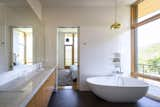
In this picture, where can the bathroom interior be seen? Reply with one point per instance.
(79, 53)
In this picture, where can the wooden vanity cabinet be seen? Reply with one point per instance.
(41, 98)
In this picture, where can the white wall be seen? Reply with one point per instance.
(97, 41)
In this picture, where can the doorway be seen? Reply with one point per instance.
(22, 47)
(68, 56)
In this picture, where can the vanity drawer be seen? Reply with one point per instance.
(41, 98)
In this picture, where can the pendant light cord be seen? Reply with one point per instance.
(115, 25)
(115, 19)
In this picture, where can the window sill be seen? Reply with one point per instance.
(154, 92)
(154, 89)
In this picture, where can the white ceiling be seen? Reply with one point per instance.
(15, 3)
(83, 3)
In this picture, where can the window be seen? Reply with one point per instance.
(145, 28)
(68, 45)
(70, 49)
(22, 46)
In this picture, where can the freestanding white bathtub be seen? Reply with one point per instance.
(118, 89)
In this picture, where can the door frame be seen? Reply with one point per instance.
(78, 77)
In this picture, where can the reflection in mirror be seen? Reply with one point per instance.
(22, 47)
(21, 36)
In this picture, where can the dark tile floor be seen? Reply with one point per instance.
(72, 98)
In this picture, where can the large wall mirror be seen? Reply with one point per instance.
(21, 35)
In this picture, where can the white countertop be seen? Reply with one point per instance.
(20, 91)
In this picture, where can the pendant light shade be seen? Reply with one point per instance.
(115, 25)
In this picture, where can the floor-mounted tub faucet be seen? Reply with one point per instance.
(116, 60)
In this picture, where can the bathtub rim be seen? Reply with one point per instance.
(118, 86)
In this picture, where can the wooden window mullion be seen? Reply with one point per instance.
(134, 26)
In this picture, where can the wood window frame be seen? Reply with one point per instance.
(67, 67)
(134, 25)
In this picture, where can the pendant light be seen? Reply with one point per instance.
(115, 25)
